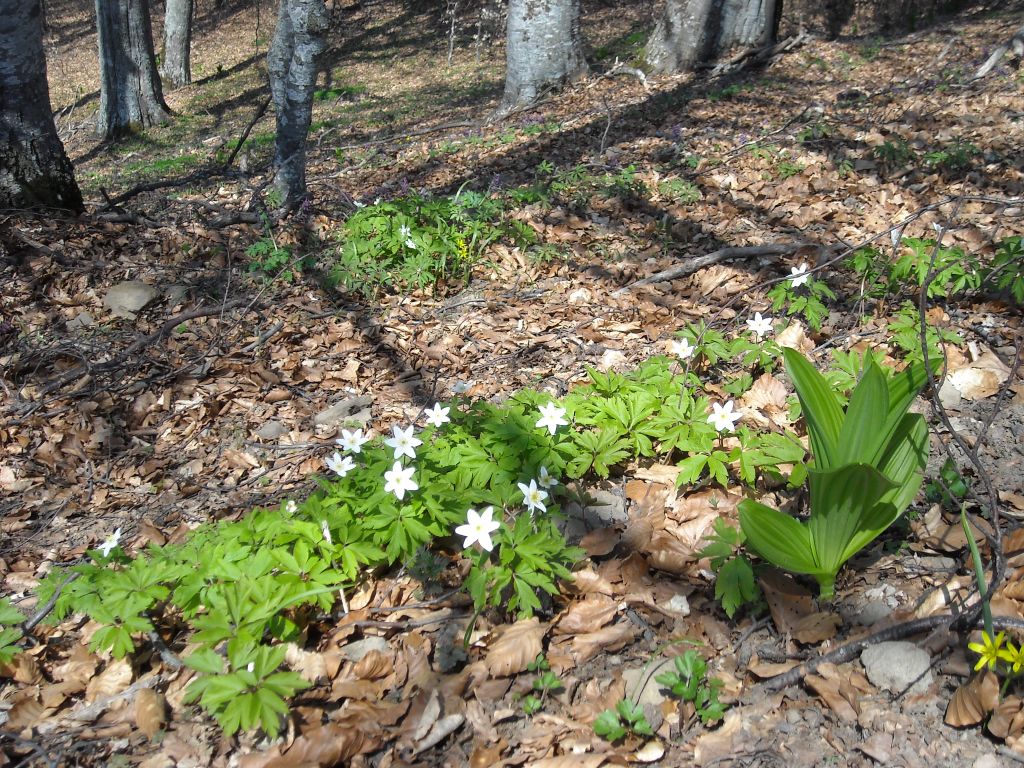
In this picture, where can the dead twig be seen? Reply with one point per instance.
(700, 262)
(852, 649)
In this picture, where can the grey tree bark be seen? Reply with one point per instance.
(292, 64)
(690, 32)
(130, 95)
(176, 66)
(544, 48)
(34, 169)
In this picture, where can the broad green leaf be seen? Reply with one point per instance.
(735, 585)
(841, 502)
(821, 408)
(861, 438)
(777, 537)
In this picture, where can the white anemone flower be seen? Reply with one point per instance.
(761, 326)
(724, 419)
(353, 441)
(437, 416)
(398, 480)
(107, 546)
(798, 275)
(551, 417)
(533, 497)
(340, 465)
(545, 480)
(478, 528)
(403, 442)
(682, 348)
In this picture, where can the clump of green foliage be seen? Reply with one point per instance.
(413, 242)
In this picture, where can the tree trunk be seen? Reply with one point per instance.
(691, 32)
(544, 48)
(34, 170)
(130, 94)
(292, 64)
(177, 66)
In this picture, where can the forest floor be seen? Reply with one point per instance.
(226, 391)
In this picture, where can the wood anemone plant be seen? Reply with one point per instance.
(868, 465)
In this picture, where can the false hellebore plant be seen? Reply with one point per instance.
(868, 464)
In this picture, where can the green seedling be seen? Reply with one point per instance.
(627, 718)
(687, 682)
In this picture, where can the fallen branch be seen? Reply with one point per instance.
(852, 649)
(1016, 43)
(756, 56)
(700, 262)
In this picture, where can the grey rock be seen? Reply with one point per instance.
(81, 320)
(350, 409)
(271, 430)
(870, 613)
(128, 297)
(652, 694)
(357, 650)
(604, 508)
(679, 604)
(175, 293)
(894, 666)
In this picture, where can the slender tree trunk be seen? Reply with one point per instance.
(176, 66)
(690, 32)
(34, 170)
(292, 64)
(544, 48)
(130, 95)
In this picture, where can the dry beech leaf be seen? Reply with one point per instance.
(150, 712)
(1001, 722)
(973, 700)
(22, 669)
(586, 615)
(611, 638)
(311, 665)
(829, 691)
(516, 648)
(569, 761)
(788, 602)
(374, 665)
(816, 627)
(765, 670)
(333, 744)
(111, 681)
(600, 542)
(651, 752)
(588, 582)
(487, 756)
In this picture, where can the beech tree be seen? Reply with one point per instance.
(34, 169)
(130, 93)
(292, 64)
(690, 32)
(544, 48)
(176, 66)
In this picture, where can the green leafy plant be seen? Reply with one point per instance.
(627, 718)
(10, 630)
(735, 585)
(905, 333)
(1007, 270)
(868, 464)
(688, 681)
(894, 153)
(679, 191)
(806, 300)
(787, 168)
(270, 260)
(545, 683)
(413, 242)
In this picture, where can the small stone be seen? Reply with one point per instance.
(894, 666)
(605, 508)
(81, 320)
(679, 604)
(271, 430)
(987, 761)
(128, 297)
(349, 409)
(357, 650)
